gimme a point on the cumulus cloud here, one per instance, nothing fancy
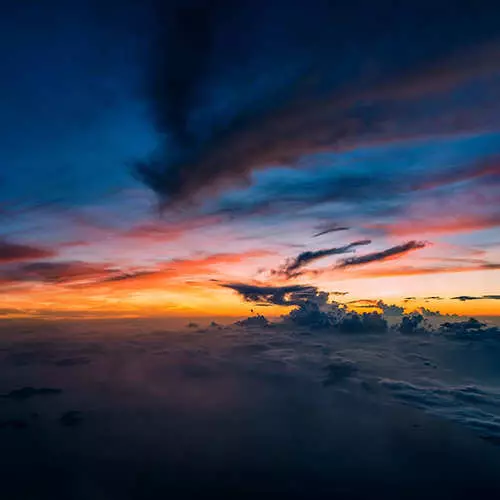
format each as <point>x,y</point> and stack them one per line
<point>371,322</point>
<point>470,329</point>
<point>62,271</point>
<point>393,252</point>
<point>329,228</point>
<point>465,298</point>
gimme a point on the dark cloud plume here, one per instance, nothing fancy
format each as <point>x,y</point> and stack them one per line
<point>12,252</point>
<point>395,251</point>
<point>182,56</point>
<point>202,47</point>
<point>292,267</point>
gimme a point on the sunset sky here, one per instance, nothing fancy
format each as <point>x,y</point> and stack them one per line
<point>143,170</point>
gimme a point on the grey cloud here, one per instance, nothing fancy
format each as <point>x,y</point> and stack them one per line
<point>14,252</point>
<point>465,298</point>
<point>383,255</point>
<point>291,267</point>
<point>326,229</point>
<point>309,111</point>
<point>278,295</point>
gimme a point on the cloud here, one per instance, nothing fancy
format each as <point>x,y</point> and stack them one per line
<point>313,308</point>
<point>279,295</point>
<point>169,230</point>
<point>465,298</point>
<point>371,322</point>
<point>62,272</point>
<point>179,58</point>
<point>416,271</point>
<point>71,273</point>
<point>447,223</point>
<point>13,252</point>
<point>291,267</point>
<point>339,371</point>
<point>390,309</point>
<point>30,392</point>
<point>489,168</point>
<point>470,329</point>
<point>390,253</point>
<point>412,323</point>
<point>256,321</point>
<point>307,109</point>
<point>332,228</point>
<point>71,418</point>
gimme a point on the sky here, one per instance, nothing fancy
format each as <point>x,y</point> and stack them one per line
<point>159,157</point>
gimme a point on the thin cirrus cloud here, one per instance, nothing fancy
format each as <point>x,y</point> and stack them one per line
<point>293,266</point>
<point>291,295</point>
<point>465,298</point>
<point>390,253</point>
<point>329,228</point>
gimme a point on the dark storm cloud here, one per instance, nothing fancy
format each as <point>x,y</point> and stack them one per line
<point>200,48</point>
<point>12,252</point>
<point>395,251</point>
<point>294,265</point>
<point>278,295</point>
